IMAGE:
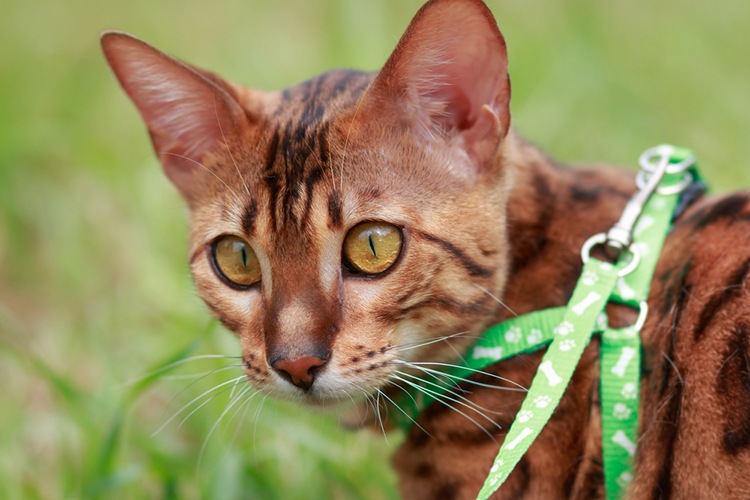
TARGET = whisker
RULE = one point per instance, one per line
(402, 410)
(175, 364)
(461, 397)
(497, 299)
(234, 193)
(421, 343)
(224, 139)
(231, 404)
(438, 398)
(185, 419)
(197, 398)
(200, 375)
(436, 373)
(449, 365)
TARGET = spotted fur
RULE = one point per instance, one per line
(491, 228)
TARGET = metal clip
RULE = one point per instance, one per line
(655, 163)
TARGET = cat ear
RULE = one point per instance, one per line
(189, 112)
(449, 72)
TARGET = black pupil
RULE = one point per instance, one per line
(372, 246)
(244, 256)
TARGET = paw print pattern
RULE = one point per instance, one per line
(524, 416)
(513, 335)
(542, 401)
(624, 479)
(621, 412)
(628, 391)
(589, 278)
(605, 266)
(534, 336)
(567, 344)
(564, 328)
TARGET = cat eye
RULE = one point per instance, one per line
(372, 247)
(235, 261)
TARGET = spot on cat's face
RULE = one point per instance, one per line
(340, 226)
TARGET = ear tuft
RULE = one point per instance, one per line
(449, 70)
(189, 112)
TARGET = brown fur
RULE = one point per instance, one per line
(425, 145)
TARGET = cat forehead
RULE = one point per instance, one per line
(321, 97)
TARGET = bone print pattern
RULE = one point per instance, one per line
(570, 338)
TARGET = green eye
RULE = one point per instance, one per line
(235, 261)
(372, 247)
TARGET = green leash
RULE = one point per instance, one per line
(637, 239)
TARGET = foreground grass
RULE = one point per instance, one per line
(95, 294)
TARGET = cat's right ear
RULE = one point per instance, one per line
(189, 112)
(448, 77)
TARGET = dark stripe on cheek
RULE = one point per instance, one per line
(335, 215)
(473, 268)
(733, 385)
(732, 290)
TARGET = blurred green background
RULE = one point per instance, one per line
(94, 287)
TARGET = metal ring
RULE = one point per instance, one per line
(635, 259)
(676, 188)
(590, 243)
(601, 238)
(641, 178)
(646, 160)
(642, 315)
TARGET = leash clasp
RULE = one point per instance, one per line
(655, 164)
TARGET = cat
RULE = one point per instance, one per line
(356, 224)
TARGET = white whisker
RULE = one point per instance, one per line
(438, 373)
(438, 398)
(497, 299)
(421, 343)
(178, 412)
(448, 365)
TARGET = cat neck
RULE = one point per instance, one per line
(552, 210)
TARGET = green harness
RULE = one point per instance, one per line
(636, 240)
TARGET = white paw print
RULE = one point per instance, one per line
(605, 266)
(567, 344)
(624, 479)
(564, 328)
(643, 248)
(513, 335)
(542, 401)
(628, 391)
(524, 416)
(621, 412)
(496, 466)
(589, 278)
(534, 336)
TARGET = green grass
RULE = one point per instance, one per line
(94, 286)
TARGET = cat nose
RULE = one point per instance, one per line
(301, 371)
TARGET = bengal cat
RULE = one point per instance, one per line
(340, 225)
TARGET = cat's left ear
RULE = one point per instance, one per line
(449, 72)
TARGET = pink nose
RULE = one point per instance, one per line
(301, 371)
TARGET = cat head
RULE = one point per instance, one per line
(343, 226)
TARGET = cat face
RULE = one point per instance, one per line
(342, 228)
